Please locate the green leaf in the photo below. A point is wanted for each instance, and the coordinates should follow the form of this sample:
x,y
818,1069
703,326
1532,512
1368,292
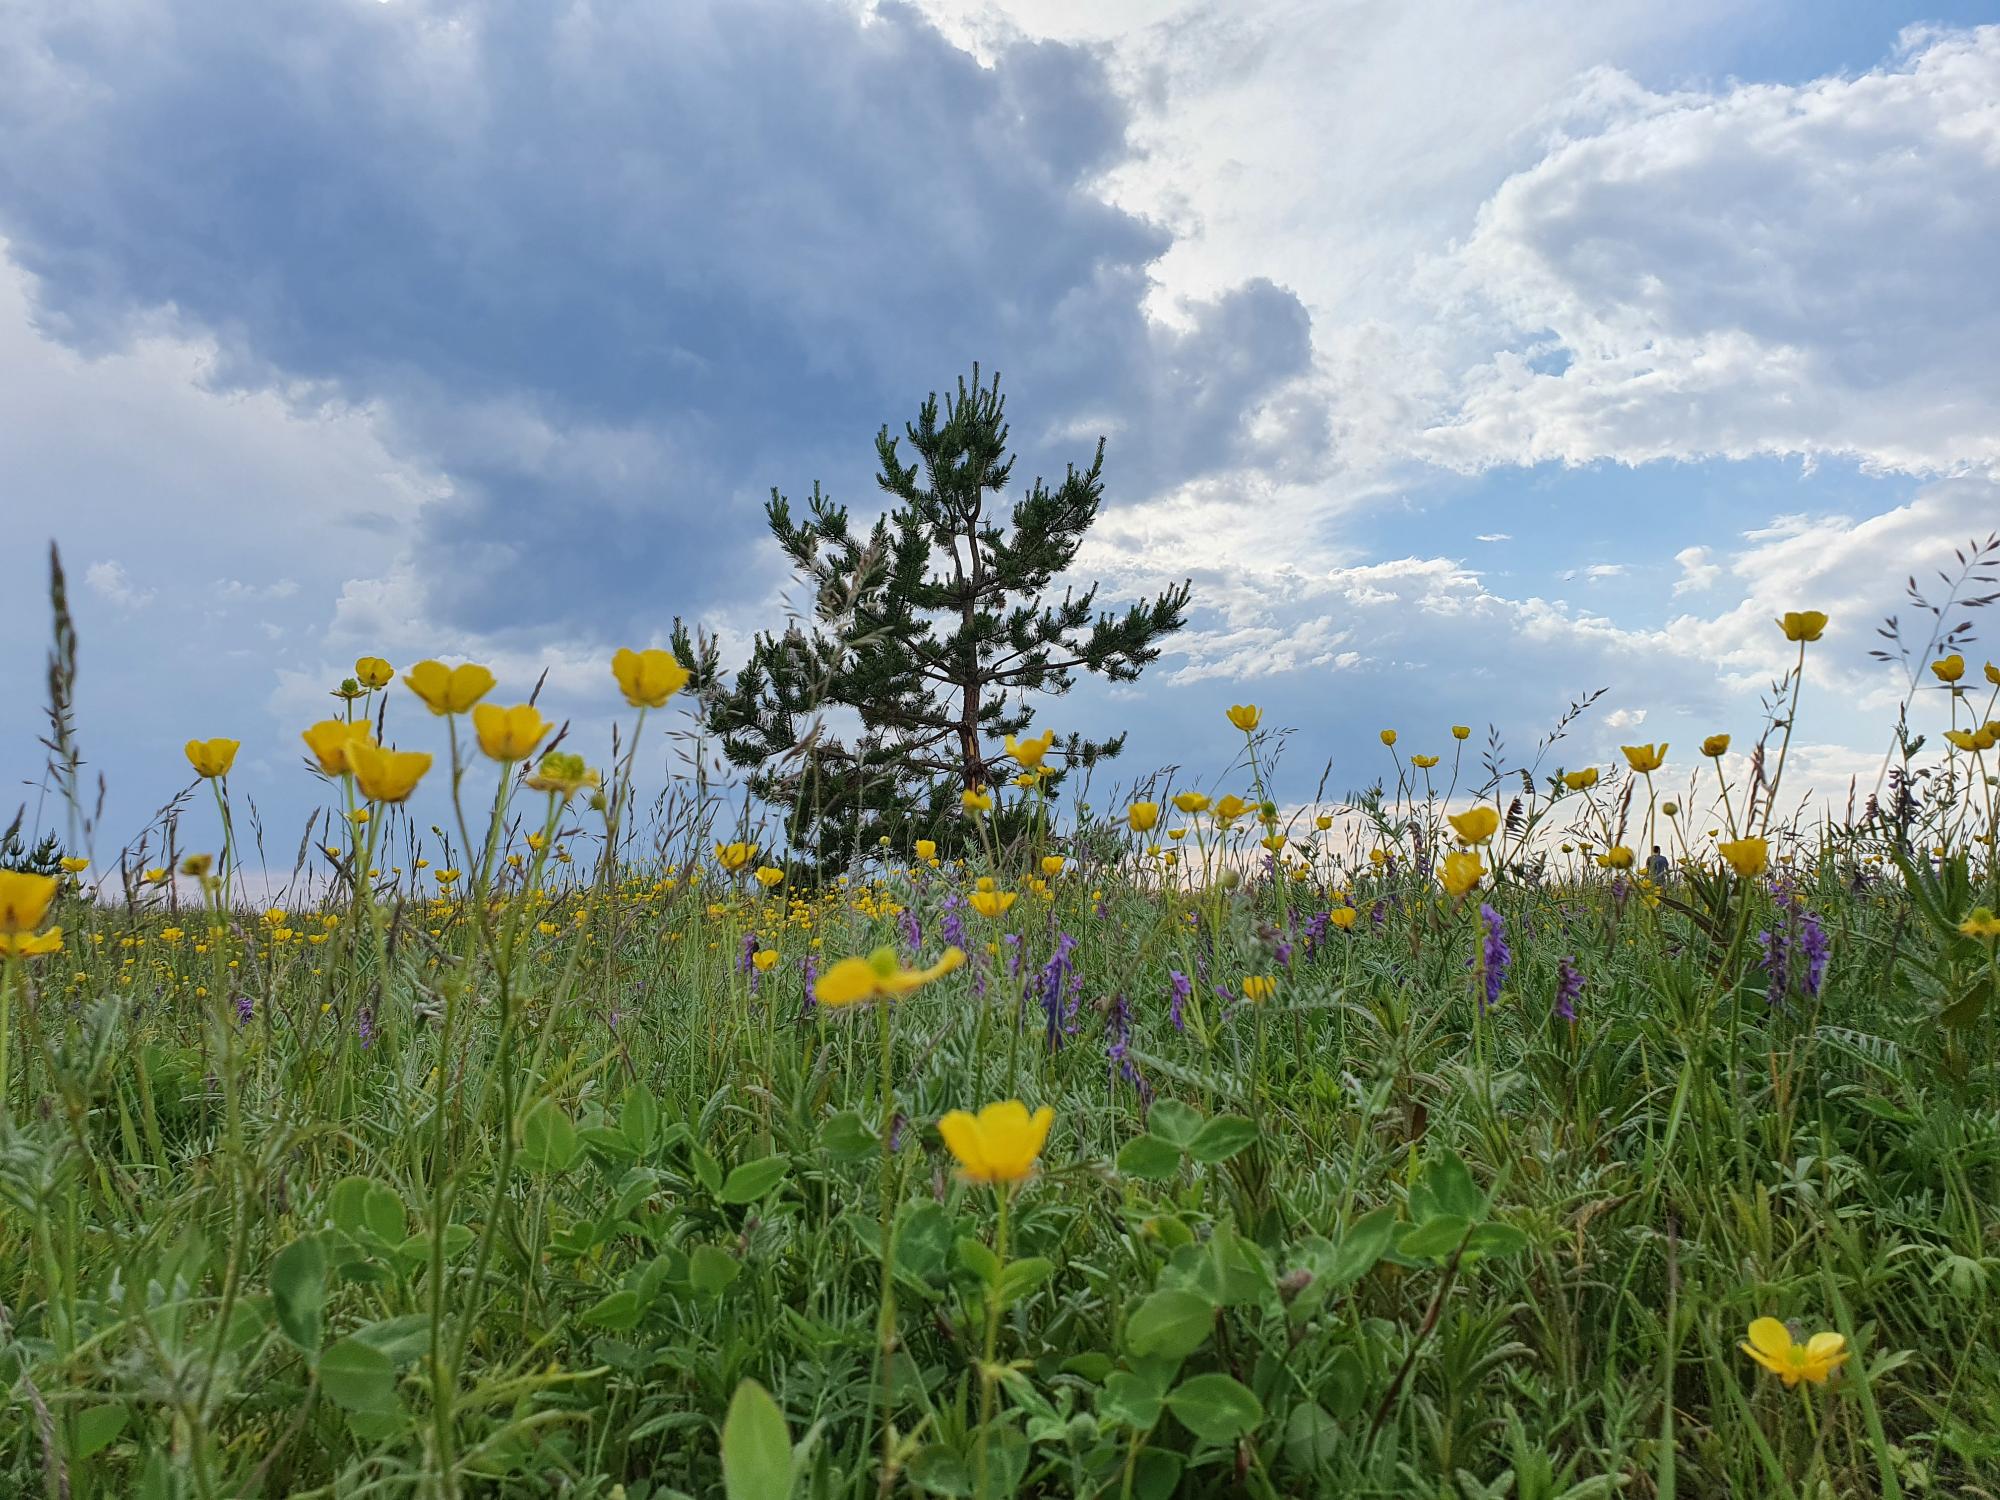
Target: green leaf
x,y
1171,1323
1221,1138
710,1269
1965,1011
1312,1437
1361,1244
298,1291
706,1168
1495,1239
639,1118
939,1470
1021,1277
1445,1186
1434,1239
847,1137
347,1204
383,1214
1173,1121
549,1142
358,1377
1150,1157
752,1180
619,1311
1216,1408
756,1447
980,1261
1129,1399
97,1427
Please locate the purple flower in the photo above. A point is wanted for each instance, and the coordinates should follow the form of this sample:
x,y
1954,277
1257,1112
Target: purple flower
x,y
364,1028
912,929
1569,988
746,960
1795,947
1053,983
1183,991
245,1009
1494,954
952,927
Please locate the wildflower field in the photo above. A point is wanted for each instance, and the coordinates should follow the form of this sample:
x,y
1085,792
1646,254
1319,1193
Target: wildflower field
x,y
1201,1136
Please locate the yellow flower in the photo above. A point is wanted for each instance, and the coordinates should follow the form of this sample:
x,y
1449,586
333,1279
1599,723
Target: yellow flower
x,y
648,678
565,775
1190,802
1461,872
329,738
448,690
1715,746
372,672
974,800
1993,673
1142,816
386,775
1476,824
768,877
1052,864
1771,1345
988,899
1580,781
1000,1143
1979,923
1644,758
1617,857
1341,917
1388,736
212,758
509,734
1029,752
1323,822
766,959
879,976
1229,809
32,944
1948,668
1423,762
1967,739
1461,731
197,865
1257,988
1245,716
1746,856
733,857
24,900
926,850
75,866
155,876
1802,624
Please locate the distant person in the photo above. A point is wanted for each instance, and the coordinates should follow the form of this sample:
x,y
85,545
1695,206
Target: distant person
x,y
1656,866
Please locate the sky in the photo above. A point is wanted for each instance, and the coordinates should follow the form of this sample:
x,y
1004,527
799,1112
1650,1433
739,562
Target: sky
x,y
1467,358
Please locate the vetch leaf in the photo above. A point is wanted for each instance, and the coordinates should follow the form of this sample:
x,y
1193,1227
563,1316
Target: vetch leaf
x,y
756,1447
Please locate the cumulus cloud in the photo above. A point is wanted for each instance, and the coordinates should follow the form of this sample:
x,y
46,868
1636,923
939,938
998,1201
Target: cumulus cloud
x,y
1697,571
1766,269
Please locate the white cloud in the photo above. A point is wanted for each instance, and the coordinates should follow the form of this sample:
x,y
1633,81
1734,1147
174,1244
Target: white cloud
x,y
1625,718
1697,571
1604,570
1493,536
109,581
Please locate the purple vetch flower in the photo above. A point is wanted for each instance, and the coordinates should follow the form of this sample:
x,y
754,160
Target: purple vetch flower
x,y
912,930
898,1123
1318,927
364,1027
1118,1049
1494,955
951,927
746,960
1053,983
1814,948
245,1009
1569,988
1795,947
1183,991
1378,914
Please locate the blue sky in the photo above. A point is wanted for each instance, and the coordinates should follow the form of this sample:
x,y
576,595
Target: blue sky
x,y
1469,358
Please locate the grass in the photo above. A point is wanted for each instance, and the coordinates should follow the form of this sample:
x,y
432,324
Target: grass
x,y
537,1183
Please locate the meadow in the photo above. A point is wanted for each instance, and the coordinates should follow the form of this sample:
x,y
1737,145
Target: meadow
x,y
1199,1137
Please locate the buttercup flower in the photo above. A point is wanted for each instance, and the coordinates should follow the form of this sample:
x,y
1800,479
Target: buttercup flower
x,y
1052,864
1948,668
1746,856
974,800
24,900
74,865
1580,781
1772,1346
1979,923
329,738
1029,752
32,944
1461,731
1617,857
1643,758
1423,762
1993,673
386,775
648,678
1245,716
1803,624
1341,917
926,850
1190,802
1323,821
448,690
768,876
1715,746
733,857
879,976
564,774
509,734
1000,1144
1257,988
1142,816
372,672
765,959
1388,736
212,758
1476,824
1229,809
1460,872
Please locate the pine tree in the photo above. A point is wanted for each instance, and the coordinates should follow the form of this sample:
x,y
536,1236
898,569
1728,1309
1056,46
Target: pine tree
x,y
930,637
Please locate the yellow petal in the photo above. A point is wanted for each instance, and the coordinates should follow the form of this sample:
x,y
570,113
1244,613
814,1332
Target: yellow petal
x,y
849,981
964,1139
1771,1337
